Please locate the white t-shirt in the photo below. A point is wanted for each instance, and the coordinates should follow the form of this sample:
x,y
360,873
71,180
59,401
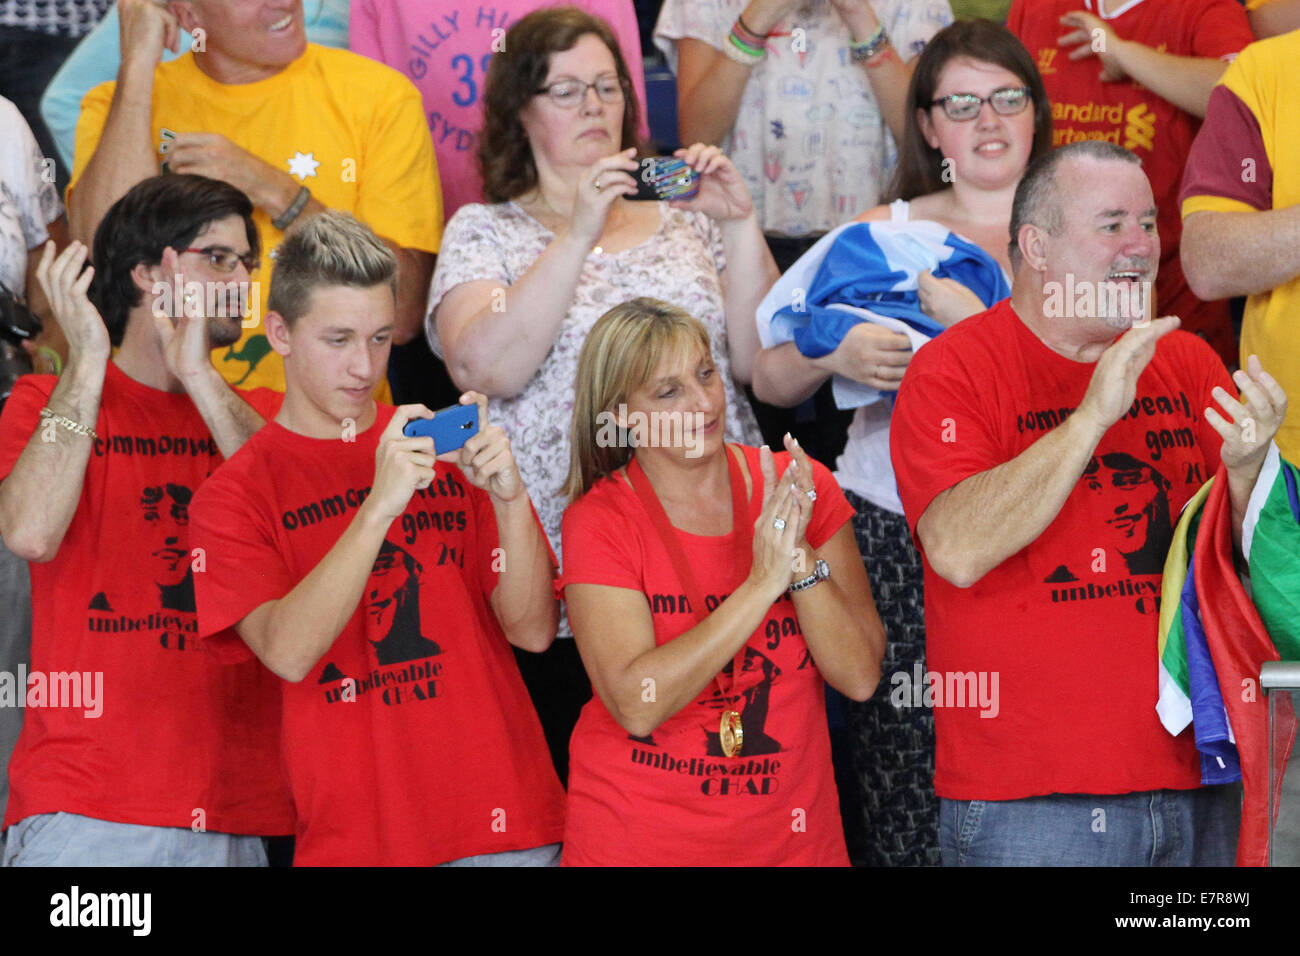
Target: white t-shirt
x,y
865,468
809,139
29,200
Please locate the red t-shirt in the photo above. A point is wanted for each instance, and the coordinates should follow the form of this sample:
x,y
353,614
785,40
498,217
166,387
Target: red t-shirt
x,y
1067,626
413,740
673,798
1160,133
180,740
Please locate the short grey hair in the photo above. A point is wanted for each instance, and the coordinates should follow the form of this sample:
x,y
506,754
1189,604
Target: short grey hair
x,y
1038,201
332,248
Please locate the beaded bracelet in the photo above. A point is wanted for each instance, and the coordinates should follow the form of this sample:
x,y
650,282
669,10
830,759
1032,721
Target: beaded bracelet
x,y
869,49
736,49
744,45
749,36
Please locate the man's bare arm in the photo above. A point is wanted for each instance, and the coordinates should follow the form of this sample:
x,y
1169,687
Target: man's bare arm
x,y
1240,253
291,635
414,270
126,153
972,527
40,496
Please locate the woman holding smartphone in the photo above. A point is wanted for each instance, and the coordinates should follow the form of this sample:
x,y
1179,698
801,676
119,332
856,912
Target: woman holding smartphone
x,y
714,589
520,281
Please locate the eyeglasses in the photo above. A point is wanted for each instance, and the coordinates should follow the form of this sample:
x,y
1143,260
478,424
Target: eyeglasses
x,y
961,107
567,94
224,259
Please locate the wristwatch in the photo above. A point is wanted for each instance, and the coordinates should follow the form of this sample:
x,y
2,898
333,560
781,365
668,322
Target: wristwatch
x,y
821,571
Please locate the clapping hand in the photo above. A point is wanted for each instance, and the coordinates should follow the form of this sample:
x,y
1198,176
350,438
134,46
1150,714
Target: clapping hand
x,y
64,283
1249,428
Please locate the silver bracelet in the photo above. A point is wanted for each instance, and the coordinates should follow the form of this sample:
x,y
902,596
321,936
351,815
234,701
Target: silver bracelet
x,y
821,571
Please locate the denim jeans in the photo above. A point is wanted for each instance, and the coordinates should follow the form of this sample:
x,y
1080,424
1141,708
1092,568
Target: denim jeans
x,y
68,839
1152,828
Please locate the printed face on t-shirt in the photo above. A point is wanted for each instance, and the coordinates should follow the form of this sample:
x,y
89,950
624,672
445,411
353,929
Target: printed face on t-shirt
x,y
1135,495
165,511
392,601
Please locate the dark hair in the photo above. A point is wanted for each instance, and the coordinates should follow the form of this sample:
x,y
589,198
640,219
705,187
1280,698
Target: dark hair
x,y
1037,199
168,210
329,249
505,158
920,166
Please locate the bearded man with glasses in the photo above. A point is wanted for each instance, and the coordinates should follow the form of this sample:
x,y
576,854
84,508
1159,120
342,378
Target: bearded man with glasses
x,y
149,753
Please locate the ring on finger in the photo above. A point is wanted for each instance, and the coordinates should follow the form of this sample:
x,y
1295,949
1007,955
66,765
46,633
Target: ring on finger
x,y
812,494
595,184
778,524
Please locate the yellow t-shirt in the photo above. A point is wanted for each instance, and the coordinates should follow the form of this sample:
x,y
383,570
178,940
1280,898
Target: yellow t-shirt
x,y
348,128
1247,159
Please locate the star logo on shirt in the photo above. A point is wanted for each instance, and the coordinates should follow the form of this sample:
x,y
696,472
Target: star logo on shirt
x,y
303,165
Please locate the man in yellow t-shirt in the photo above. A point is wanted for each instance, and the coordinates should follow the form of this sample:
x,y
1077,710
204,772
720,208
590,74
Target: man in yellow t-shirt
x,y
298,127
1241,208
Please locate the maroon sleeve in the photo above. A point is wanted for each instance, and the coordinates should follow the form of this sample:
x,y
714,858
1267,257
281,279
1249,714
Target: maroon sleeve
x,y
22,416
1228,157
1220,29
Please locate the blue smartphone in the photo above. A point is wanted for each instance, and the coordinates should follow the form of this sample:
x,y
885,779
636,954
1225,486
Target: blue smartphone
x,y
449,428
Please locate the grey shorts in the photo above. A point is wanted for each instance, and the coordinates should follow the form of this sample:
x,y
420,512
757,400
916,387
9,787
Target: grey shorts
x,y
68,839
548,855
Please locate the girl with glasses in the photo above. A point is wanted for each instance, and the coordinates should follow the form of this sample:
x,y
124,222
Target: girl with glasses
x,y
976,115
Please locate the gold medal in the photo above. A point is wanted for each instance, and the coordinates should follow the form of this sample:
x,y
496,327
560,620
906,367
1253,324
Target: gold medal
x,y
731,733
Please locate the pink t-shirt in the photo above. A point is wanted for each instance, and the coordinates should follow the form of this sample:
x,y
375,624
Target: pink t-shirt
x,y
443,47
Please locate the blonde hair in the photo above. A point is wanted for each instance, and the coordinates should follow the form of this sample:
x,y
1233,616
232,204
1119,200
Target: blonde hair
x,y
332,248
622,352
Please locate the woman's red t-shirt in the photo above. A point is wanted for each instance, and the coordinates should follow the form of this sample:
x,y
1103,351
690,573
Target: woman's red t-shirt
x,y
672,798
